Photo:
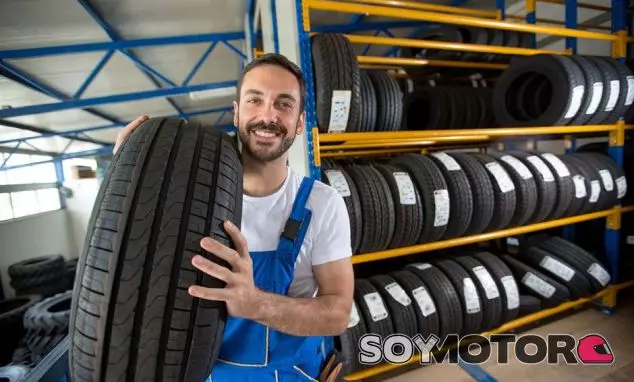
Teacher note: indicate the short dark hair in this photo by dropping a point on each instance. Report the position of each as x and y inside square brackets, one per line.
[283, 62]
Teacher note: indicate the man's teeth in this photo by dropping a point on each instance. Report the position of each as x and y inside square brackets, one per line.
[263, 133]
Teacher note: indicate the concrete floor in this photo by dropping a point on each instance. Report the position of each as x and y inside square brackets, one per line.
[618, 329]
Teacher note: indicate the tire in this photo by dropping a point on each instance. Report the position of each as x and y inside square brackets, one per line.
[608, 100]
[579, 259]
[567, 83]
[13, 373]
[426, 109]
[41, 345]
[400, 306]
[554, 267]
[525, 188]
[529, 305]
[335, 68]
[338, 178]
[51, 315]
[459, 109]
[11, 323]
[612, 178]
[593, 90]
[470, 299]
[408, 206]
[373, 308]
[545, 182]
[427, 316]
[626, 82]
[167, 187]
[474, 36]
[579, 189]
[348, 342]
[506, 283]
[564, 182]
[487, 289]
[533, 282]
[503, 191]
[389, 101]
[460, 196]
[481, 189]
[496, 38]
[473, 108]
[434, 194]
[608, 195]
[445, 297]
[44, 275]
[368, 104]
[592, 180]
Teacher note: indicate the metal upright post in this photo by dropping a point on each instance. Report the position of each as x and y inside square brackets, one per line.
[531, 18]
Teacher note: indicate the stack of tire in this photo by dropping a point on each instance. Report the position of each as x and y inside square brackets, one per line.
[467, 293]
[415, 199]
[553, 90]
[41, 275]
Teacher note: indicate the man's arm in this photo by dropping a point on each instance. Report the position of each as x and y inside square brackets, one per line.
[325, 315]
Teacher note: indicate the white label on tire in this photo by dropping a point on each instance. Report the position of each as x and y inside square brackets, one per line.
[595, 191]
[512, 241]
[615, 88]
[538, 285]
[338, 182]
[449, 162]
[630, 240]
[354, 316]
[575, 101]
[424, 301]
[511, 292]
[543, 169]
[339, 110]
[375, 306]
[630, 91]
[502, 177]
[621, 186]
[520, 167]
[558, 268]
[441, 199]
[405, 187]
[608, 182]
[490, 288]
[398, 294]
[421, 266]
[599, 273]
[559, 166]
[597, 94]
[580, 186]
[471, 298]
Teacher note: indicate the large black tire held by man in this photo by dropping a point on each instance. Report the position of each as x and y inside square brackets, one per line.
[168, 186]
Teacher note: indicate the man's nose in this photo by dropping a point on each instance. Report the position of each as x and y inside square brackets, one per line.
[270, 114]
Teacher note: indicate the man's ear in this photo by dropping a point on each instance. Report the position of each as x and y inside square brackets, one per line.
[235, 113]
[301, 123]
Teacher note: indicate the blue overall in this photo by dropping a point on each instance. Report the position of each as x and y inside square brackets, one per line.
[254, 352]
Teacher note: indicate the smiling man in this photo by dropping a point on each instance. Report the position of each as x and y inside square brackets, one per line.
[289, 284]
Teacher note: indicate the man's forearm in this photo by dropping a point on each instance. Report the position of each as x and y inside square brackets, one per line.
[320, 316]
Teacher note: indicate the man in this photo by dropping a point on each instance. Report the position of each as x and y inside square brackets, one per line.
[290, 283]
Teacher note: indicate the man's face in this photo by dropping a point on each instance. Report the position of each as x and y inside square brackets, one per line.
[268, 114]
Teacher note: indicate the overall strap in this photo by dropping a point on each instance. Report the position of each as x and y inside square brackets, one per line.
[297, 223]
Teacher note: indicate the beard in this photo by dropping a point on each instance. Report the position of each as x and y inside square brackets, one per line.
[261, 151]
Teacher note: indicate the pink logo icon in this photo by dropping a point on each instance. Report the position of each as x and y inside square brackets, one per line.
[594, 349]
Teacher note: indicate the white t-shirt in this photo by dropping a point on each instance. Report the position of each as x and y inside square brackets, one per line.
[327, 238]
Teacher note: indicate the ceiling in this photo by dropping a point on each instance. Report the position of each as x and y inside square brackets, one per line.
[43, 23]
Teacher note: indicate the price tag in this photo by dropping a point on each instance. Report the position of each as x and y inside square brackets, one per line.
[424, 301]
[580, 186]
[595, 191]
[398, 294]
[558, 268]
[575, 101]
[630, 91]
[538, 285]
[621, 186]
[543, 169]
[441, 200]
[608, 182]
[405, 187]
[421, 266]
[502, 177]
[520, 167]
[615, 89]
[471, 298]
[511, 292]
[354, 316]
[338, 181]
[339, 111]
[490, 288]
[449, 162]
[599, 273]
[597, 94]
[559, 166]
[375, 306]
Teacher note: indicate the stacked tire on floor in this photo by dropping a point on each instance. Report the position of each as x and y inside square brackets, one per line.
[132, 317]
[414, 199]
[468, 292]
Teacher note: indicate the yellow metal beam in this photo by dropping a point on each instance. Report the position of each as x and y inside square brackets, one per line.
[427, 7]
[466, 240]
[444, 45]
[625, 285]
[627, 209]
[425, 62]
[368, 153]
[436, 17]
[580, 5]
[559, 22]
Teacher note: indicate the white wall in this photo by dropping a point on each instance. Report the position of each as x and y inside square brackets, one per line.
[32, 236]
[79, 208]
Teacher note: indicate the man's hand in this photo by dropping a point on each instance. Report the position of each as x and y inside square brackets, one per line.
[240, 293]
[123, 134]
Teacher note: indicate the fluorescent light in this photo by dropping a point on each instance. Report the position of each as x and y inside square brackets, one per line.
[213, 93]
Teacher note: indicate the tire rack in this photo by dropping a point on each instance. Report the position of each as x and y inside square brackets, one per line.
[380, 143]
